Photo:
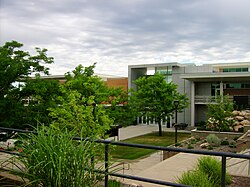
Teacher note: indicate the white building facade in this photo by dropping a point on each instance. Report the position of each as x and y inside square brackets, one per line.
[200, 84]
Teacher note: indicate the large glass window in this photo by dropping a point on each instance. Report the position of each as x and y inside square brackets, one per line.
[237, 85]
[245, 69]
[166, 71]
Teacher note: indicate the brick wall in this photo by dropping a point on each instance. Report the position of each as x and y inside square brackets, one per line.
[118, 82]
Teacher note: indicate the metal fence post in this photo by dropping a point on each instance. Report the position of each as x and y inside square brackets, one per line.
[223, 171]
[106, 165]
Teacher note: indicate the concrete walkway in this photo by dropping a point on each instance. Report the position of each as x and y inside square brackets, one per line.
[169, 170]
[153, 166]
[236, 166]
[133, 131]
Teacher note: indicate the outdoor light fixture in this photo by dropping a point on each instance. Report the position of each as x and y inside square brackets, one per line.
[176, 104]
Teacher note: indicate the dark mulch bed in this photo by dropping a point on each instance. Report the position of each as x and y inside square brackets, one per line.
[239, 181]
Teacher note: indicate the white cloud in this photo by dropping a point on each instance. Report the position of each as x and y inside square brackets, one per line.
[118, 33]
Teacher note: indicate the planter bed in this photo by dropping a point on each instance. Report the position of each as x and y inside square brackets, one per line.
[221, 135]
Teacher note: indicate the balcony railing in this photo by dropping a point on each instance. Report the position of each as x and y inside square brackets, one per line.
[205, 99]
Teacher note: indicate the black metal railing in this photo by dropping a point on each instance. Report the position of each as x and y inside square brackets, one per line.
[223, 156]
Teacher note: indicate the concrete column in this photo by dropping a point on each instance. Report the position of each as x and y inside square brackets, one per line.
[192, 104]
[221, 88]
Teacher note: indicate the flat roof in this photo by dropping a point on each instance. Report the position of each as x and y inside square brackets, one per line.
[156, 65]
[232, 64]
[221, 76]
[104, 76]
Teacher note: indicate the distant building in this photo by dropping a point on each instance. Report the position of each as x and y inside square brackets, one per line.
[200, 83]
[111, 81]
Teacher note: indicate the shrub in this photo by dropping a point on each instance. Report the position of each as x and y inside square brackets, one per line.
[213, 140]
[219, 112]
[201, 125]
[190, 146]
[114, 183]
[193, 141]
[53, 158]
[224, 142]
[210, 147]
[212, 168]
[178, 144]
[195, 178]
[232, 144]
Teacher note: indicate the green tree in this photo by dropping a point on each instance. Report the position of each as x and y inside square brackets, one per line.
[85, 82]
[155, 98]
[79, 107]
[16, 66]
[220, 113]
[42, 94]
[114, 100]
[118, 107]
[80, 114]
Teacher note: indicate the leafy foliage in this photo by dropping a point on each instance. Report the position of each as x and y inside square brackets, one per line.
[213, 140]
[53, 158]
[206, 173]
[155, 97]
[195, 178]
[119, 109]
[220, 114]
[42, 95]
[16, 66]
[86, 83]
[114, 100]
[82, 87]
[212, 168]
[79, 114]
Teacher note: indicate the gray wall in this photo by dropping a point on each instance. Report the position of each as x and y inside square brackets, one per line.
[199, 69]
[134, 74]
[184, 87]
[202, 88]
[200, 113]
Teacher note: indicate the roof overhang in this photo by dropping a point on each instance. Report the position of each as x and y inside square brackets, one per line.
[215, 77]
[156, 65]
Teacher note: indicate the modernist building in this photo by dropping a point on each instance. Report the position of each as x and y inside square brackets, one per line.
[201, 83]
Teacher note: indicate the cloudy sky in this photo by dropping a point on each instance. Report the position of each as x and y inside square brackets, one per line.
[118, 33]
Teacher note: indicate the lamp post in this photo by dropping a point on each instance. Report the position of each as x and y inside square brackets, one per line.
[93, 112]
[176, 104]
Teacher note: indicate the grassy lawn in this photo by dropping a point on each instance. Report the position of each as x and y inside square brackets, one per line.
[131, 153]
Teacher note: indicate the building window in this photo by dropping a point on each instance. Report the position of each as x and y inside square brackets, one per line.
[237, 85]
[215, 88]
[234, 70]
[166, 72]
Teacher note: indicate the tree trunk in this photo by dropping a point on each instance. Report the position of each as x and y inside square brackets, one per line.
[160, 130]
